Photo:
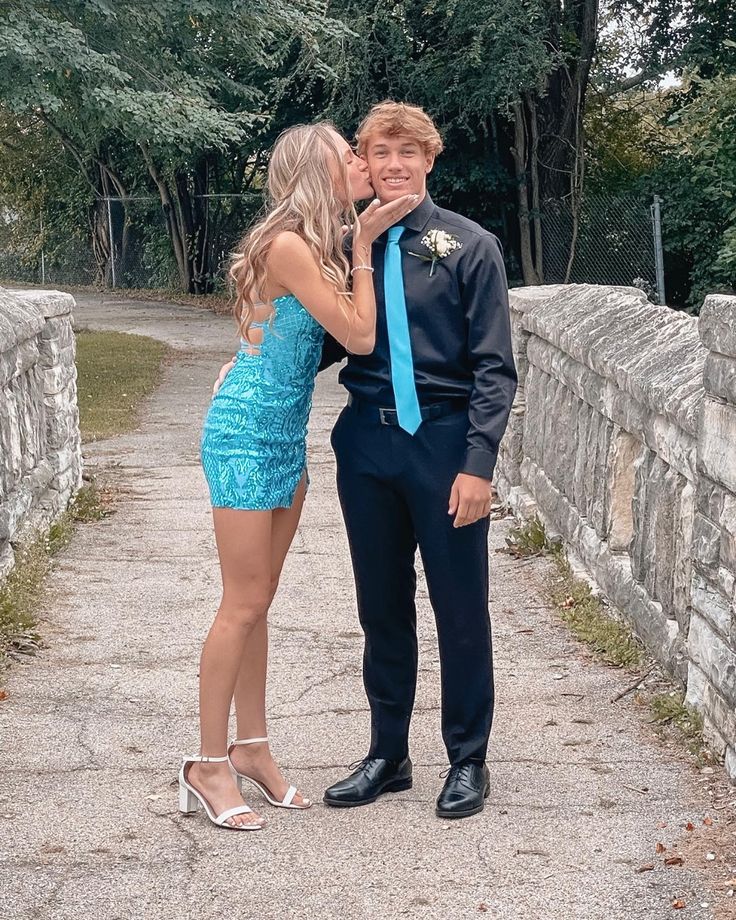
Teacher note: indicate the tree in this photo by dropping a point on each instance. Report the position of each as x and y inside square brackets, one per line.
[175, 89]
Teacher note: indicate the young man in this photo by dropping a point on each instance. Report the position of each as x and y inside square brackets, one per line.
[416, 447]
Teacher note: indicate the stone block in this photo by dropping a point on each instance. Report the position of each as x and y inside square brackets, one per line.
[599, 510]
[706, 545]
[683, 557]
[719, 377]
[727, 584]
[728, 532]
[730, 762]
[709, 497]
[640, 508]
[719, 719]
[716, 440]
[717, 324]
[57, 378]
[714, 656]
[49, 303]
[625, 450]
[711, 603]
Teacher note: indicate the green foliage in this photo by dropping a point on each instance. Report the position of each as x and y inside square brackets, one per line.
[700, 176]
[21, 593]
[115, 372]
[133, 96]
[529, 539]
[466, 62]
[670, 709]
[610, 639]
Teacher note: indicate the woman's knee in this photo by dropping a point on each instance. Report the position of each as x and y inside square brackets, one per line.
[246, 612]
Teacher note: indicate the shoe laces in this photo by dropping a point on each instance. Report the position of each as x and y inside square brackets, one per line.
[359, 764]
[458, 771]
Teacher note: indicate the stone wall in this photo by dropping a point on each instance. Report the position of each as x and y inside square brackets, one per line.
[623, 440]
[40, 454]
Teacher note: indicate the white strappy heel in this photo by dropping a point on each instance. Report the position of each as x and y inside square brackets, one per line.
[190, 798]
[288, 799]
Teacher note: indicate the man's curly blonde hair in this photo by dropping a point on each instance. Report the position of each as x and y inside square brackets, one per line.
[400, 119]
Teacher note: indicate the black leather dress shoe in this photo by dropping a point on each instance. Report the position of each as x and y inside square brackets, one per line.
[372, 778]
[466, 788]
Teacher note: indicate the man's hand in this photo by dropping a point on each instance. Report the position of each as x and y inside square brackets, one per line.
[470, 499]
[224, 371]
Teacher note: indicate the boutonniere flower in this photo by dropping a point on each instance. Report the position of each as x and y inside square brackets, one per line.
[440, 244]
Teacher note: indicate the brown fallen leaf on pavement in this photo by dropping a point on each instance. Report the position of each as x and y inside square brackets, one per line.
[647, 867]
[689, 826]
[3, 695]
[674, 860]
[482, 907]
[678, 904]
[708, 821]
[660, 848]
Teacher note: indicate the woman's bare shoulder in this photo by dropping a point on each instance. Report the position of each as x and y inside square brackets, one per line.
[289, 245]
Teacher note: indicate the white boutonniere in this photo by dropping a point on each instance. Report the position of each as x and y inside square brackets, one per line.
[440, 244]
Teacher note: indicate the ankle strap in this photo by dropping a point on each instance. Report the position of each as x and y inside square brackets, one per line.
[247, 741]
[200, 758]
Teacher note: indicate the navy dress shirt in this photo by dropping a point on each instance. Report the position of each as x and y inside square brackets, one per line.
[459, 328]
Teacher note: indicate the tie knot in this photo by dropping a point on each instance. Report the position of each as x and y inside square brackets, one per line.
[394, 233]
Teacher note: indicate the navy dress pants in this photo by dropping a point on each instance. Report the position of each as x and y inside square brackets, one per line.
[394, 491]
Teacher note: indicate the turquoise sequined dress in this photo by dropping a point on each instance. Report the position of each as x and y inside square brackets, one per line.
[254, 437]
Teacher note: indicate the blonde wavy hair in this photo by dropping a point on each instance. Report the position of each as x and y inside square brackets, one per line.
[302, 196]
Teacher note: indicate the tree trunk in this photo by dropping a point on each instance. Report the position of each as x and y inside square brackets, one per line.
[173, 220]
[520, 155]
[561, 104]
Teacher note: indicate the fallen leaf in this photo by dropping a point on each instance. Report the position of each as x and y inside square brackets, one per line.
[689, 826]
[708, 821]
[568, 602]
[674, 860]
[660, 848]
[661, 824]
[482, 907]
[3, 695]
[647, 867]
[678, 904]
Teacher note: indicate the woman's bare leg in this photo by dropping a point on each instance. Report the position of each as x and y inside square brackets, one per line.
[244, 546]
[250, 689]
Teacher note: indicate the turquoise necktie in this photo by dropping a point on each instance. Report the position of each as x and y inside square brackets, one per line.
[402, 365]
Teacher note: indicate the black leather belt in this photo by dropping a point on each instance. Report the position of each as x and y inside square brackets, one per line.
[390, 416]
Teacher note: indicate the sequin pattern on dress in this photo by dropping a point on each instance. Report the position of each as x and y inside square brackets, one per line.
[254, 437]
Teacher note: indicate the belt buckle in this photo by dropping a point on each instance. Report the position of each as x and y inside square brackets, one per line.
[384, 419]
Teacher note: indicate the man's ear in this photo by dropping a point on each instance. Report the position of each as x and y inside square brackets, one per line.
[430, 163]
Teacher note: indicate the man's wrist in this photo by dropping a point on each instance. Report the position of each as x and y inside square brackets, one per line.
[479, 462]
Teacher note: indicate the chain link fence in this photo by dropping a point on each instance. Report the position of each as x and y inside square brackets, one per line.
[610, 240]
[125, 244]
[606, 240]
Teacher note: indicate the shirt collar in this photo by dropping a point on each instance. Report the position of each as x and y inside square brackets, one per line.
[419, 218]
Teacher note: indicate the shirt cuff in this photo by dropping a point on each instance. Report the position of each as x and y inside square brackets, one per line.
[479, 462]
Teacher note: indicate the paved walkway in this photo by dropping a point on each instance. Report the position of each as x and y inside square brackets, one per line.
[93, 730]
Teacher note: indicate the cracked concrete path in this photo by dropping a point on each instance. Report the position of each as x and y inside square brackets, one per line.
[93, 729]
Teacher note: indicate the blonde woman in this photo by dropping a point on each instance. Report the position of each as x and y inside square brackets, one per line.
[292, 283]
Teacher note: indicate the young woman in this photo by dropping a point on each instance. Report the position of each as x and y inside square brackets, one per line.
[292, 282]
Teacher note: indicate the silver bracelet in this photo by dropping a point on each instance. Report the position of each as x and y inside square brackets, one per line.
[358, 268]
